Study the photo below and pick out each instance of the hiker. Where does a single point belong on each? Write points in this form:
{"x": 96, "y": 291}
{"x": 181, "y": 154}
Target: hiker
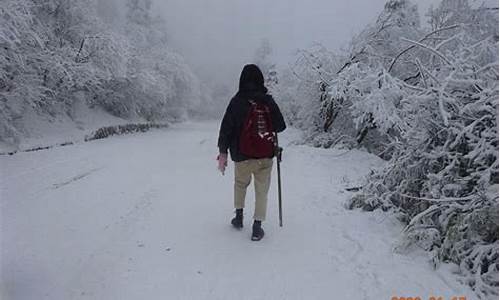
{"x": 248, "y": 130}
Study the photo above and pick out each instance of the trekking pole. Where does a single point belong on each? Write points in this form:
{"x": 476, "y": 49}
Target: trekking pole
{"x": 279, "y": 151}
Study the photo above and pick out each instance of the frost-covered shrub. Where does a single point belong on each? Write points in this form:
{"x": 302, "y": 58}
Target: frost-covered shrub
{"x": 335, "y": 109}
{"x": 425, "y": 98}
{"x": 304, "y": 90}
{"x": 53, "y": 53}
{"x": 442, "y": 176}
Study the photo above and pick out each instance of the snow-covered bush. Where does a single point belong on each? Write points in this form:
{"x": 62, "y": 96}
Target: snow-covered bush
{"x": 362, "y": 89}
{"x": 335, "y": 109}
{"x": 426, "y": 99}
{"x": 442, "y": 177}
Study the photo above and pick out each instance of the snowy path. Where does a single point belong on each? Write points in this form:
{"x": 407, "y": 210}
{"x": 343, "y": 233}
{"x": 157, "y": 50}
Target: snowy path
{"x": 147, "y": 217}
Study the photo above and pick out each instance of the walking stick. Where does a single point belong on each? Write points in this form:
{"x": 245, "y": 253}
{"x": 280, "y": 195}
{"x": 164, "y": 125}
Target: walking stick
{"x": 279, "y": 151}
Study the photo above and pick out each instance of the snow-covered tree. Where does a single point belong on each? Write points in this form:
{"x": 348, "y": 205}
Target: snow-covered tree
{"x": 305, "y": 86}
{"x": 442, "y": 124}
{"x": 263, "y": 58}
{"x": 54, "y": 53}
{"x": 425, "y": 99}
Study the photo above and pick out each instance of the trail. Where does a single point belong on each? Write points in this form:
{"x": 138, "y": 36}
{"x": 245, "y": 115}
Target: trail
{"x": 147, "y": 216}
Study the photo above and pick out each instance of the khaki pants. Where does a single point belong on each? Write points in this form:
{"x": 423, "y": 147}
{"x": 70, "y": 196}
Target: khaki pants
{"x": 261, "y": 170}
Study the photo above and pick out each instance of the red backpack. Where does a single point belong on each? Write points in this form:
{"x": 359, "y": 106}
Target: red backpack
{"x": 257, "y": 136}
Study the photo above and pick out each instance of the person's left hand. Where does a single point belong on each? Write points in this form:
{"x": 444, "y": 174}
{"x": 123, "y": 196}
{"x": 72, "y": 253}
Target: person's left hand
{"x": 222, "y": 159}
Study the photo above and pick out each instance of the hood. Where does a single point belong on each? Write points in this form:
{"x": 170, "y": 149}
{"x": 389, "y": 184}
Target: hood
{"x": 252, "y": 82}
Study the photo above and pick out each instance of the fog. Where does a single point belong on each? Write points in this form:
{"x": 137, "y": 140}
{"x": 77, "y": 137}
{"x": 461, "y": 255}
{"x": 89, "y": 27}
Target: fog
{"x": 218, "y": 37}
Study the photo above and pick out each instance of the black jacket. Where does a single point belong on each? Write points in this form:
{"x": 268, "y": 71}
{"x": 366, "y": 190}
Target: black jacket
{"x": 236, "y": 113}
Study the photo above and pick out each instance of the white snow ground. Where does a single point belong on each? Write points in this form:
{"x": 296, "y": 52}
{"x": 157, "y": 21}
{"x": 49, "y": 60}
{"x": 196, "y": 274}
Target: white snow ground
{"x": 147, "y": 217}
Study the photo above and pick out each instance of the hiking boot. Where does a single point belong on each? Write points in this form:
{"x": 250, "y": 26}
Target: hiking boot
{"x": 237, "y": 221}
{"x": 257, "y": 231}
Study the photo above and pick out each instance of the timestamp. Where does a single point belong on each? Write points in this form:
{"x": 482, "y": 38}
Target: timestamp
{"x": 429, "y": 298}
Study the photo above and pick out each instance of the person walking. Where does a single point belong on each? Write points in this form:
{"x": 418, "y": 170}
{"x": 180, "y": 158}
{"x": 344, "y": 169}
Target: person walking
{"x": 248, "y": 130}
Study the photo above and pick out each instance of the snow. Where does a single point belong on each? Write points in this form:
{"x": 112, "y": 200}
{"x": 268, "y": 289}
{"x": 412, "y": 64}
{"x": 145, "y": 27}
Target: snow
{"x": 42, "y": 131}
{"x": 146, "y": 216}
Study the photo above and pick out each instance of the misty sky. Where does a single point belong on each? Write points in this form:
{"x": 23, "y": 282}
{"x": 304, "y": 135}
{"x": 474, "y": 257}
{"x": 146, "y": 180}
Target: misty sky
{"x": 219, "y": 36}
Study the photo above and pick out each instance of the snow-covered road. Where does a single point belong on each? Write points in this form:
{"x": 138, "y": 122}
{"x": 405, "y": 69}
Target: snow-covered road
{"x": 147, "y": 217}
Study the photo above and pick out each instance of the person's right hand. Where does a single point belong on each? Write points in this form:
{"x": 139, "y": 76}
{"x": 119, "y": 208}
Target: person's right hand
{"x": 222, "y": 159}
